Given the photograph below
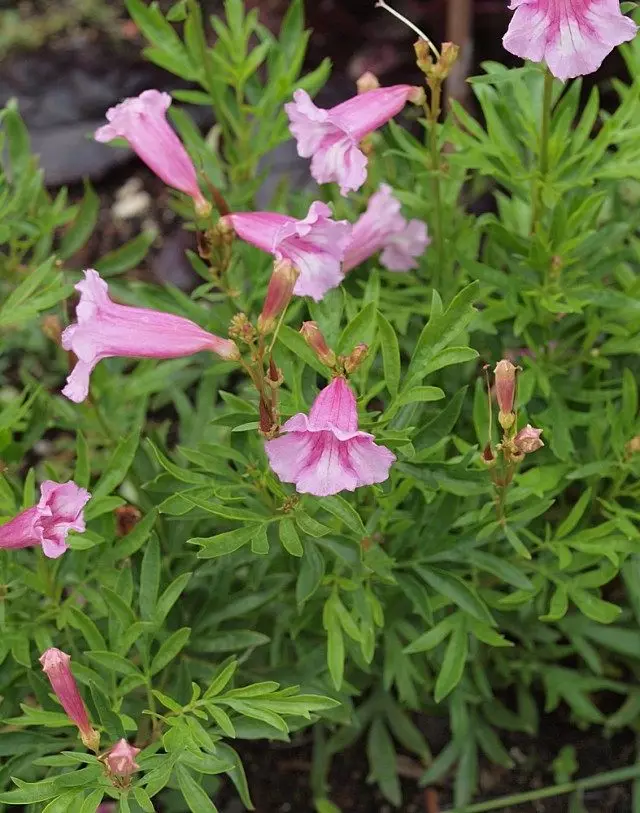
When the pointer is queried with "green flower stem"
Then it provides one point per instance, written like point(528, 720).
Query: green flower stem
point(543, 166)
point(598, 781)
point(433, 116)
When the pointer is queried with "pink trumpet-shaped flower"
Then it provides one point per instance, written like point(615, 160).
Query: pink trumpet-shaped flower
point(571, 36)
point(325, 453)
point(383, 228)
point(121, 759)
point(331, 137)
point(315, 245)
point(59, 510)
point(55, 665)
point(105, 329)
point(142, 121)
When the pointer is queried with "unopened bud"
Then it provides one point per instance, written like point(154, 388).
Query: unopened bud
point(241, 328)
point(55, 665)
point(121, 759)
point(313, 337)
point(52, 328)
point(274, 377)
point(633, 446)
point(222, 234)
point(488, 457)
point(448, 57)
point(368, 81)
point(423, 55)
point(355, 358)
point(528, 440)
point(279, 293)
point(505, 378)
point(127, 517)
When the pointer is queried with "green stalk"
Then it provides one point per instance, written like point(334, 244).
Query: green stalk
point(433, 117)
point(598, 781)
point(543, 167)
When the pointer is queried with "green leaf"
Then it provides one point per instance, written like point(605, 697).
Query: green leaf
point(83, 224)
point(82, 474)
point(118, 465)
point(294, 342)
point(127, 256)
point(345, 512)
point(309, 525)
point(223, 544)
point(390, 355)
point(289, 538)
point(456, 589)
point(335, 645)
point(430, 639)
point(310, 574)
point(593, 607)
point(454, 661)
point(170, 596)
point(383, 762)
point(135, 539)
point(195, 797)
point(149, 580)
point(440, 426)
point(90, 804)
point(115, 663)
point(360, 330)
point(169, 649)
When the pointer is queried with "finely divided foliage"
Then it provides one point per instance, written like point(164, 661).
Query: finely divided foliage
point(382, 459)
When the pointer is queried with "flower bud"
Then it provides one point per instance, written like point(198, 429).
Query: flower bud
point(505, 378)
point(488, 456)
point(368, 81)
point(528, 440)
point(448, 57)
point(316, 341)
point(424, 59)
point(279, 293)
point(55, 665)
point(355, 358)
point(633, 446)
point(121, 759)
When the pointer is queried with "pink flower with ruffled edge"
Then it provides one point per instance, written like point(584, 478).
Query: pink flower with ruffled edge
point(105, 329)
point(56, 666)
point(121, 759)
point(325, 453)
point(142, 121)
point(59, 510)
point(571, 36)
point(315, 245)
point(331, 138)
point(383, 228)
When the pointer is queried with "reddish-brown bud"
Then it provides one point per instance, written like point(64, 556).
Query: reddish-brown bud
point(505, 378)
point(52, 328)
point(279, 293)
point(528, 440)
point(488, 456)
point(127, 517)
point(355, 358)
point(368, 81)
point(313, 337)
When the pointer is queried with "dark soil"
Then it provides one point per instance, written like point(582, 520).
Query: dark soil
point(278, 775)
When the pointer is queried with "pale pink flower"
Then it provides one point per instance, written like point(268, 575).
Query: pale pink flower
point(315, 245)
point(505, 380)
point(59, 510)
point(121, 759)
point(528, 440)
point(383, 228)
point(571, 36)
point(325, 453)
point(142, 121)
point(105, 329)
point(331, 138)
point(55, 665)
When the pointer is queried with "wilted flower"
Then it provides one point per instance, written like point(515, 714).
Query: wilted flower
point(105, 329)
point(528, 440)
point(325, 453)
point(55, 665)
point(316, 341)
point(59, 510)
point(279, 293)
point(383, 228)
point(331, 137)
point(142, 121)
point(121, 759)
point(355, 358)
point(315, 245)
point(571, 36)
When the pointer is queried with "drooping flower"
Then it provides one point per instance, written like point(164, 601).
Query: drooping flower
point(55, 665)
point(142, 121)
point(528, 440)
point(121, 759)
point(105, 329)
point(59, 510)
point(505, 380)
point(383, 228)
point(325, 453)
point(315, 245)
point(571, 36)
point(331, 137)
